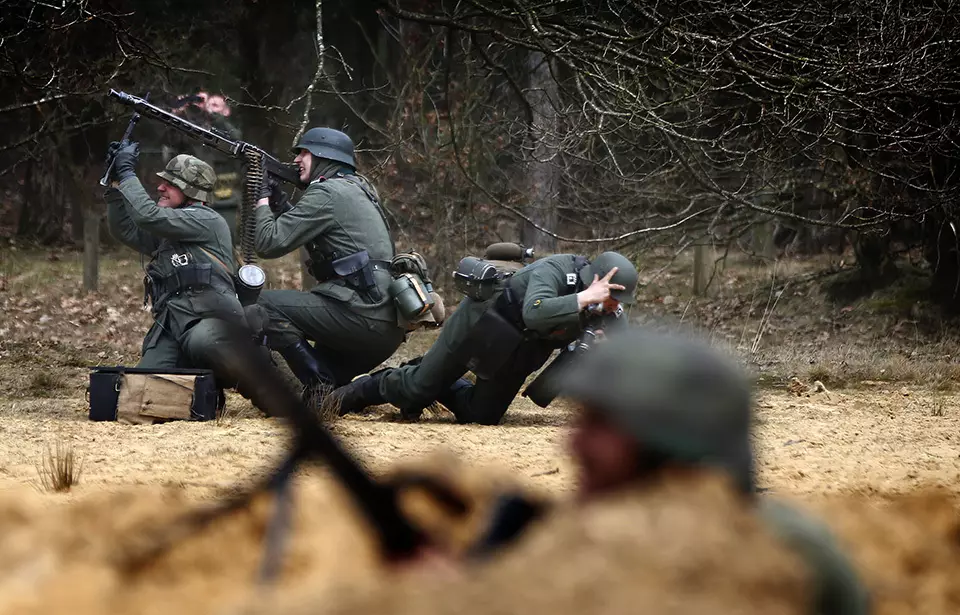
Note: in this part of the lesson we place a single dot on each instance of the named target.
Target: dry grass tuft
(44, 384)
(58, 469)
(326, 406)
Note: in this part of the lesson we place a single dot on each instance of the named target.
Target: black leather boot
(363, 391)
(312, 371)
(309, 368)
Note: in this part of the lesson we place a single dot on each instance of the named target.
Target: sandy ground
(886, 439)
(863, 459)
(859, 459)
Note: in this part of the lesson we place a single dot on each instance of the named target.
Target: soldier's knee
(257, 318)
(207, 340)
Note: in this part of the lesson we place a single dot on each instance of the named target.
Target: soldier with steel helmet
(650, 403)
(189, 279)
(348, 315)
(503, 339)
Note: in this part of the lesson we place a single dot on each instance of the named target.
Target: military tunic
(188, 329)
(355, 331)
(546, 291)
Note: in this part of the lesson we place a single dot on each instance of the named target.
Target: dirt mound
(906, 547)
(686, 547)
(71, 558)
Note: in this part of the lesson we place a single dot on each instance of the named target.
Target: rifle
(213, 138)
(125, 140)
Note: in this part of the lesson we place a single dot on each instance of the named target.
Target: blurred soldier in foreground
(503, 338)
(348, 315)
(650, 404)
(189, 279)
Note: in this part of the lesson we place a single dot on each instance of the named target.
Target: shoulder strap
(573, 279)
(376, 204)
(214, 258)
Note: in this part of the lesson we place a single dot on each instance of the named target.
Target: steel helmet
(676, 396)
(327, 143)
(626, 274)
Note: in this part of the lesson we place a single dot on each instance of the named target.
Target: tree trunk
(699, 269)
(543, 172)
(91, 250)
(43, 210)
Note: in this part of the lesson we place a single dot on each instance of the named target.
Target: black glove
(267, 187)
(112, 150)
(125, 164)
(276, 198)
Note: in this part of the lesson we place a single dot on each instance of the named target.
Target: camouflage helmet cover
(626, 274)
(193, 176)
(674, 395)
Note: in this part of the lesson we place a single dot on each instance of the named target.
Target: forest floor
(885, 423)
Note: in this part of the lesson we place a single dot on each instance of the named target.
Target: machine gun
(124, 140)
(545, 388)
(211, 137)
(250, 278)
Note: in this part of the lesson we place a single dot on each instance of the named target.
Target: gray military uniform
(543, 305)
(353, 329)
(691, 405)
(189, 277)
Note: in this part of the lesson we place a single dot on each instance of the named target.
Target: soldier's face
(305, 161)
(170, 195)
(609, 305)
(606, 457)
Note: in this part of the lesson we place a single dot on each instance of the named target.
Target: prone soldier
(502, 338)
(348, 314)
(651, 403)
(189, 279)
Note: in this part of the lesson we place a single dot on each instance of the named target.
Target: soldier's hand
(267, 187)
(125, 164)
(599, 290)
(112, 150)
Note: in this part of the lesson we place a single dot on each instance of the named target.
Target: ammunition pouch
(197, 276)
(477, 278)
(355, 269)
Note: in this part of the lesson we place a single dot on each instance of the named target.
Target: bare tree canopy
(559, 122)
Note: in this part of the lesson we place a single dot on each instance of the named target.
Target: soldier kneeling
(189, 280)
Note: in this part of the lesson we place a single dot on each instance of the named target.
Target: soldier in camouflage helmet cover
(194, 177)
(189, 279)
(542, 307)
(650, 401)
